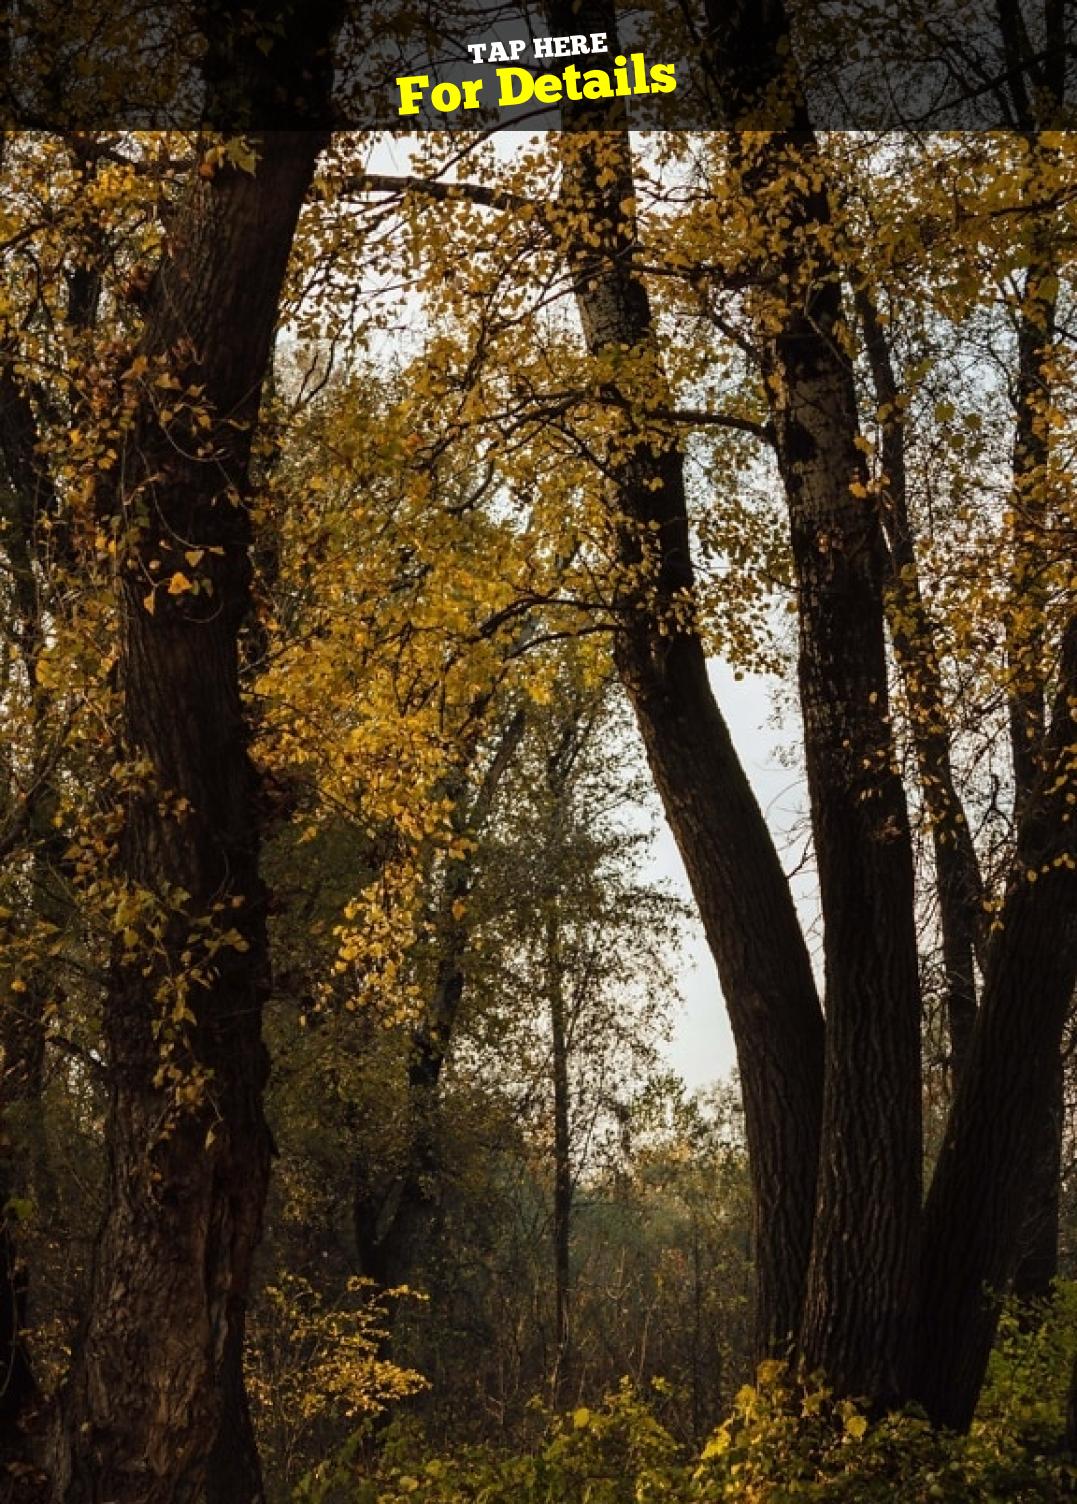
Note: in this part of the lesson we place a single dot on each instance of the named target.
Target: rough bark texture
(751, 926)
(1038, 1261)
(980, 1189)
(1031, 452)
(155, 1410)
(861, 1280)
(862, 1275)
(737, 880)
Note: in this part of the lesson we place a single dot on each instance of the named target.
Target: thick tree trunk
(861, 1280)
(862, 1276)
(1038, 1261)
(154, 1411)
(751, 926)
(979, 1193)
(737, 880)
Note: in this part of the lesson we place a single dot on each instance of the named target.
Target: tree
(787, 249)
(188, 1145)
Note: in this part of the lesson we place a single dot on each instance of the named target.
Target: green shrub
(785, 1442)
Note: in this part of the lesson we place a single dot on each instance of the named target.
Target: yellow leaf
(178, 584)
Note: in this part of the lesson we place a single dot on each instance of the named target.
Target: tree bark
(862, 1274)
(736, 877)
(1026, 637)
(154, 1410)
(861, 1280)
(34, 541)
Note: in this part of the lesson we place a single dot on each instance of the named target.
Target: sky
(701, 1045)
(700, 1049)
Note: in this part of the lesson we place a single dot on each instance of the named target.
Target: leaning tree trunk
(155, 1410)
(740, 889)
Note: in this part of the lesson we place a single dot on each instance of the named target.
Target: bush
(784, 1443)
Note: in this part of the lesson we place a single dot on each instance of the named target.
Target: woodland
(373, 514)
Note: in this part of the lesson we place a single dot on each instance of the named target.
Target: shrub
(785, 1442)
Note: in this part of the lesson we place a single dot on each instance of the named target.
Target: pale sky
(701, 1047)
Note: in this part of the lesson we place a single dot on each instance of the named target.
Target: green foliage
(1024, 1399)
(617, 1453)
(785, 1442)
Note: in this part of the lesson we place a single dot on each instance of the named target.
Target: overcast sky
(701, 1048)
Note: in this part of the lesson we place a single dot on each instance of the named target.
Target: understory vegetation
(782, 1442)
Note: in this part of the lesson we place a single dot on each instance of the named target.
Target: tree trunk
(958, 880)
(979, 1192)
(154, 1411)
(18, 1387)
(1038, 1260)
(1025, 629)
(30, 510)
(737, 880)
(392, 1229)
(861, 1279)
(22, 1036)
(862, 1274)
